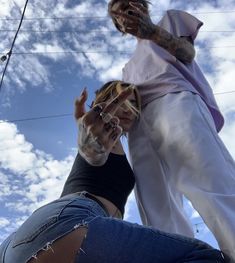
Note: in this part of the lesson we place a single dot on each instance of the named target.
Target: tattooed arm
(90, 149)
(98, 137)
(137, 22)
(180, 47)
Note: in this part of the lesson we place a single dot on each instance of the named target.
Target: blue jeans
(108, 239)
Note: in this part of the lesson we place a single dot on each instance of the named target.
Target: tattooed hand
(135, 21)
(99, 129)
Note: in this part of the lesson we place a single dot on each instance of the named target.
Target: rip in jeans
(52, 246)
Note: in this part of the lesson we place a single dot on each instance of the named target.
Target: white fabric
(175, 150)
(156, 72)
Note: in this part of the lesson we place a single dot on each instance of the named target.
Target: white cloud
(53, 51)
(34, 176)
(105, 65)
(4, 222)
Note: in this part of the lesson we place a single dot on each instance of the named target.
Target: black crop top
(114, 180)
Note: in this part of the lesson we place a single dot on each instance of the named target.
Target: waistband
(90, 196)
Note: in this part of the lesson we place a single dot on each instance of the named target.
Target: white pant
(175, 151)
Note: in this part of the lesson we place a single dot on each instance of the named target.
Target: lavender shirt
(156, 72)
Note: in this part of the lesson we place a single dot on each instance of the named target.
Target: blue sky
(49, 69)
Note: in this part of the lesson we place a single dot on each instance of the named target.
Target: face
(125, 115)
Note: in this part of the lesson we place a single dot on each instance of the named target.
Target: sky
(63, 46)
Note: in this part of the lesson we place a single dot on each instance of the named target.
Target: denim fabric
(113, 241)
(48, 224)
(108, 240)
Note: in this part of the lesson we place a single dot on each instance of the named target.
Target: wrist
(155, 33)
(152, 33)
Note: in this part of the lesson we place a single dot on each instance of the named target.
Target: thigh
(110, 240)
(48, 225)
(64, 250)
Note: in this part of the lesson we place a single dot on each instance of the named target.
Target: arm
(138, 23)
(89, 149)
(180, 47)
(97, 137)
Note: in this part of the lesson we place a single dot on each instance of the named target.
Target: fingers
(106, 134)
(103, 112)
(139, 7)
(131, 20)
(92, 117)
(114, 137)
(113, 105)
(131, 15)
(100, 123)
(131, 30)
(80, 104)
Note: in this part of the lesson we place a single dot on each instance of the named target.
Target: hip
(48, 224)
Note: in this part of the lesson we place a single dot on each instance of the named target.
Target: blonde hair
(111, 89)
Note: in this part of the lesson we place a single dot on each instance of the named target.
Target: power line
(96, 30)
(62, 31)
(38, 118)
(105, 17)
(93, 51)
(12, 45)
(71, 52)
(57, 18)
(226, 92)
(71, 114)
(213, 12)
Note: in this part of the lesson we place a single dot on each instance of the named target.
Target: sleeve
(180, 24)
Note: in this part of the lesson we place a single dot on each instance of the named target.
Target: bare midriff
(111, 208)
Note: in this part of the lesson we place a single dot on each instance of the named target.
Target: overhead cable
(95, 51)
(9, 53)
(55, 116)
(105, 17)
(96, 30)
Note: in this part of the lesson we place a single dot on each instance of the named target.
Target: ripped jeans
(107, 240)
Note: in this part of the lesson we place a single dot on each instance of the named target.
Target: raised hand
(99, 129)
(101, 123)
(135, 21)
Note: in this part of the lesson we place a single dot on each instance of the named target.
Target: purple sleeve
(180, 24)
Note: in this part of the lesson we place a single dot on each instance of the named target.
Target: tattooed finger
(113, 105)
(138, 6)
(108, 127)
(97, 109)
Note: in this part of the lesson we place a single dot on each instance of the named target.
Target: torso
(111, 208)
